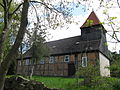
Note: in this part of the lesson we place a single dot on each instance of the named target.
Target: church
(67, 55)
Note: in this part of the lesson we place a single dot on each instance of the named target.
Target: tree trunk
(7, 23)
(32, 71)
(11, 55)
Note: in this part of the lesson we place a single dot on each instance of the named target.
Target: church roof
(91, 20)
(73, 45)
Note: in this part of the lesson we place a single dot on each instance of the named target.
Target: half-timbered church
(66, 55)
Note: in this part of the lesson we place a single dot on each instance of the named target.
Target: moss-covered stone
(20, 83)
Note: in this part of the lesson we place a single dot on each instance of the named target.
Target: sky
(80, 14)
(74, 29)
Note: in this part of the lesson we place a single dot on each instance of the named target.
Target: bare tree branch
(9, 4)
(113, 42)
(4, 2)
(16, 9)
(2, 5)
(118, 3)
(52, 9)
(114, 35)
(35, 13)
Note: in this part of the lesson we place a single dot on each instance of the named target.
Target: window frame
(51, 59)
(68, 57)
(84, 61)
(42, 61)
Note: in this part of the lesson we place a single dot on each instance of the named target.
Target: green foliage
(40, 50)
(89, 23)
(1, 8)
(106, 44)
(115, 65)
(105, 83)
(1, 27)
(98, 83)
(88, 72)
(112, 18)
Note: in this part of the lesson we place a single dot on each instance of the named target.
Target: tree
(38, 48)
(51, 18)
(12, 53)
(88, 73)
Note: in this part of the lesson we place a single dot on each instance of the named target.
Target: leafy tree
(51, 17)
(38, 47)
(88, 73)
(5, 62)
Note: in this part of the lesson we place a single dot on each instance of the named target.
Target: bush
(116, 85)
(105, 83)
(88, 73)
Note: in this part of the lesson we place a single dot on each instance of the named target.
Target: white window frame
(84, 61)
(42, 61)
(51, 59)
(66, 58)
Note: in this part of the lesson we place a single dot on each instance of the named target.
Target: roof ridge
(64, 38)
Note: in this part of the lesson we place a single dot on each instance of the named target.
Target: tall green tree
(51, 18)
(4, 32)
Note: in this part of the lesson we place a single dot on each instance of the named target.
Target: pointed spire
(91, 20)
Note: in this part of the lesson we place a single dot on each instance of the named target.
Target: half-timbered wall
(59, 67)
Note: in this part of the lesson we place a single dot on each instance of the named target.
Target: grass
(99, 83)
(74, 84)
(56, 82)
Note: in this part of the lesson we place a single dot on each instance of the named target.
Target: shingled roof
(72, 45)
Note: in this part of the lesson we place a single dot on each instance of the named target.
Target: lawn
(57, 82)
(98, 83)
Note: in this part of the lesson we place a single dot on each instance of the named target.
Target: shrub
(105, 83)
(88, 73)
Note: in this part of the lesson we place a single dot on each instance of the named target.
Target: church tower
(92, 29)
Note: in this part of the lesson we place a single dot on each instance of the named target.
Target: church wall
(59, 67)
